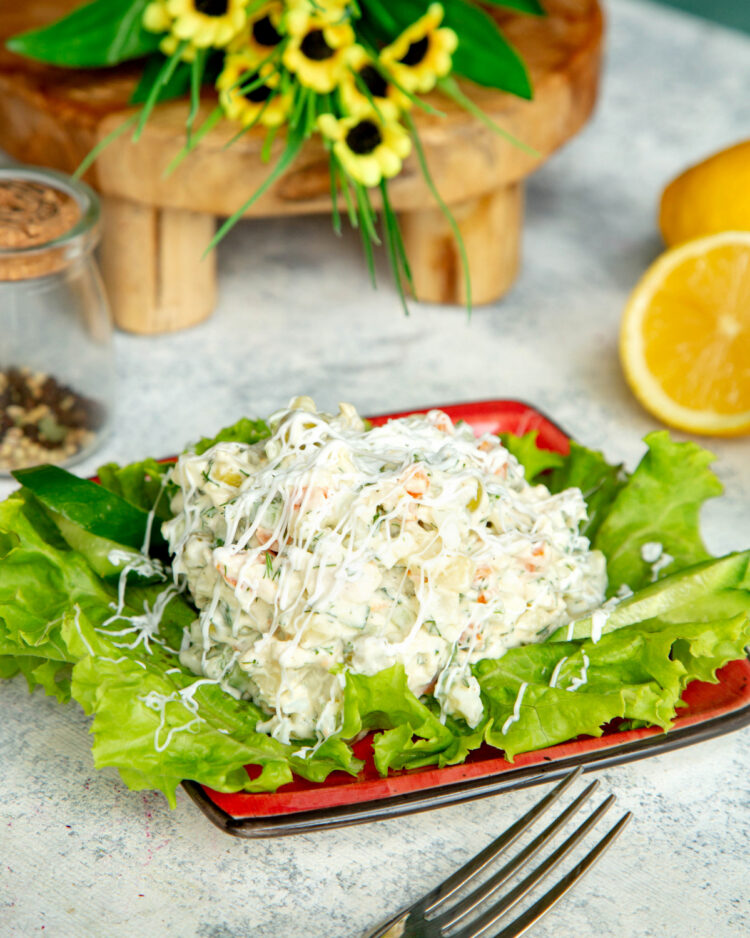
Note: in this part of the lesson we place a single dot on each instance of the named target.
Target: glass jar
(56, 358)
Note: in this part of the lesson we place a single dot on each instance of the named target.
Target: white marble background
(81, 856)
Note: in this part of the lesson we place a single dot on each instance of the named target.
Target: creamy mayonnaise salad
(332, 547)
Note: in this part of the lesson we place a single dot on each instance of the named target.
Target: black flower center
(257, 93)
(416, 52)
(364, 137)
(315, 47)
(374, 81)
(265, 33)
(212, 7)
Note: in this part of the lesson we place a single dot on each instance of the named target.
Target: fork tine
(483, 922)
(474, 866)
(543, 905)
(465, 905)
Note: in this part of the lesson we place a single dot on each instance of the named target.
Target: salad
(332, 548)
(289, 585)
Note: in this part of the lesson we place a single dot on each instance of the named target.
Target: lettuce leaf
(637, 673)
(660, 503)
(152, 717)
(582, 468)
(567, 689)
(244, 431)
(599, 481)
(534, 459)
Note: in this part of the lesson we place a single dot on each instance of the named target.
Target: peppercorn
(42, 420)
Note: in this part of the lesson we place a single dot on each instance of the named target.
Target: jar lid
(46, 219)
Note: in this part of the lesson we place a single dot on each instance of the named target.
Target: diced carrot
(417, 483)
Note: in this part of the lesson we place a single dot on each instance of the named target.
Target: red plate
(711, 710)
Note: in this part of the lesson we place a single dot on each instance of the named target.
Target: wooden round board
(161, 225)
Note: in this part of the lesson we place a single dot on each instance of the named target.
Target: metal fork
(431, 917)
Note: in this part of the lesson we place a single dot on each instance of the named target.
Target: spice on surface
(32, 215)
(42, 420)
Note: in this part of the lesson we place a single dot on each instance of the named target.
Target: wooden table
(157, 226)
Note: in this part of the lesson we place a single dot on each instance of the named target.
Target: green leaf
(52, 676)
(381, 18)
(167, 68)
(88, 505)
(9, 666)
(54, 614)
(660, 503)
(532, 457)
(483, 54)
(384, 701)
(41, 579)
(636, 673)
(243, 431)
(534, 7)
(140, 483)
(447, 214)
(176, 86)
(598, 480)
(294, 140)
(98, 34)
(450, 87)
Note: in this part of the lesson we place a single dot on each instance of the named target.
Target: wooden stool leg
(153, 266)
(491, 231)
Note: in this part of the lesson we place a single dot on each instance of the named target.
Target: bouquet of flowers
(350, 70)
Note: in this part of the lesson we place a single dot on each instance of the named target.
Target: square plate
(302, 806)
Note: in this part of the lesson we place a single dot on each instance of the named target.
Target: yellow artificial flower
(298, 12)
(156, 19)
(317, 54)
(169, 45)
(262, 103)
(388, 100)
(422, 53)
(368, 148)
(262, 33)
(207, 22)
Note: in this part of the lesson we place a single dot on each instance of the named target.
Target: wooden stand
(153, 263)
(490, 227)
(157, 227)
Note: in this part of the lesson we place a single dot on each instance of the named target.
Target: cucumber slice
(99, 550)
(88, 505)
(687, 592)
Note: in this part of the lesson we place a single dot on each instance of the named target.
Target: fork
(429, 917)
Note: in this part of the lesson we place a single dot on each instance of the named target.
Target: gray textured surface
(82, 856)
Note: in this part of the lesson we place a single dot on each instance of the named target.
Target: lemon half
(685, 336)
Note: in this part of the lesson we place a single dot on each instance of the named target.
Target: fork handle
(393, 928)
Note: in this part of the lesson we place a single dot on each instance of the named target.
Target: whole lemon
(710, 197)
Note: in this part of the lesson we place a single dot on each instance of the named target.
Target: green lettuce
(636, 673)
(660, 502)
(150, 720)
(600, 483)
(244, 431)
(535, 460)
